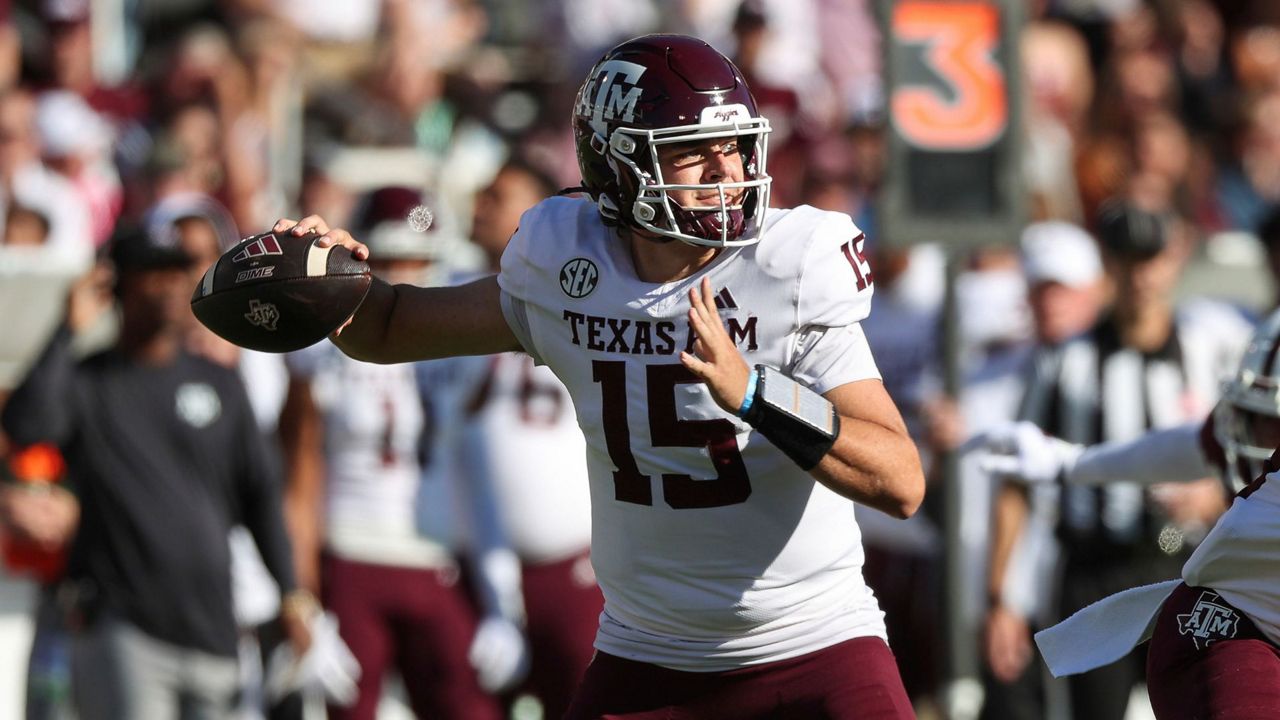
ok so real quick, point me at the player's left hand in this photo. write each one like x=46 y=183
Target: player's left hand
x=499 y=654
x=715 y=359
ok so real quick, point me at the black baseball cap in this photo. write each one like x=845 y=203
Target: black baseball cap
x=133 y=248
x=1129 y=232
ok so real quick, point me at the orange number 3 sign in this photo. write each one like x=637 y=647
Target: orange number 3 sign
x=960 y=39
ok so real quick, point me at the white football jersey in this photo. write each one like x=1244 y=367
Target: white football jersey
x=374 y=421
x=1240 y=557
x=713 y=549
x=513 y=434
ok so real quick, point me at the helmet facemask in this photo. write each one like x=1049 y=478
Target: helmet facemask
x=729 y=221
x=1248 y=426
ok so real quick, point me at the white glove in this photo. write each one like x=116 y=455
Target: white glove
x=328 y=666
x=499 y=654
x=1022 y=452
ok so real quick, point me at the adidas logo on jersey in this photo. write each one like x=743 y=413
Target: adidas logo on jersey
x=725 y=301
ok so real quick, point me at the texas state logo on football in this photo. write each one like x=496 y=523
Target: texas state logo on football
x=645 y=337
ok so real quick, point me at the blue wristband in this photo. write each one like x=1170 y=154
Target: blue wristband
x=752 y=379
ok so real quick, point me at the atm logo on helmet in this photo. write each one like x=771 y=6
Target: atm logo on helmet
x=613 y=94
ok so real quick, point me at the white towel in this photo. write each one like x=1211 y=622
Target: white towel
x=1103 y=632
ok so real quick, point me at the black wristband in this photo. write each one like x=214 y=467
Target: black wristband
x=798 y=421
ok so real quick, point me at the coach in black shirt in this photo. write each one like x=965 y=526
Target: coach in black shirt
x=164 y=456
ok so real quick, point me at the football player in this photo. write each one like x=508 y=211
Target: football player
x=1215 y=634
x=730 y=404
x=353 y=433
x=507 y=429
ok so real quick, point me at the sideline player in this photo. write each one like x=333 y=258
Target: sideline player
x=1215 y=635
x=508 y=430
x=724 y=538
x=353 y=433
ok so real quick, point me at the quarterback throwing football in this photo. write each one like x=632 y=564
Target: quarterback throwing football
x=731 y=407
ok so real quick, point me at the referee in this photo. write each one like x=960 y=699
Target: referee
x=1145 y=364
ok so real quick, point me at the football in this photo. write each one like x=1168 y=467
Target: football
x=278 y=292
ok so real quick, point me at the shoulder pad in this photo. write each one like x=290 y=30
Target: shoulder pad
x=826 y=254
x=544 y=230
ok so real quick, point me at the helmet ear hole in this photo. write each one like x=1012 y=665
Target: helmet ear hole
x=623 y=144
x=644 y=212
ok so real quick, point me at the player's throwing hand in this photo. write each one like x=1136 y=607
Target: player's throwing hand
x=715 y=359
x=328 y=236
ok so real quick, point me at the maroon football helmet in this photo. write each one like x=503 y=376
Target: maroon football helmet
x=665 y=89
x=1246 y=421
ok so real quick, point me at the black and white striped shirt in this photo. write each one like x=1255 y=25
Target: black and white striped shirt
x=1095 y=389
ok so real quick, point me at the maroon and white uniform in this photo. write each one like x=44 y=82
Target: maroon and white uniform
x=514 y=431
x=374 y=422
x=1240 y=557
x=389 y=574
x=510 y=433
x=713 y=549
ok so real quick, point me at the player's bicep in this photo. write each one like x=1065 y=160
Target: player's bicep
x=867 y=400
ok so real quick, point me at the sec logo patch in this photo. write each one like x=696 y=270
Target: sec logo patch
x=578 y=277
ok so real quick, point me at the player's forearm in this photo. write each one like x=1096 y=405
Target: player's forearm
x=874 y=465
x=404 y=323
x=1009 y=515
x=1169 y=455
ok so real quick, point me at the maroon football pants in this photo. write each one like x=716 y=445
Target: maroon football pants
x=1208 y=661
x=853 y=680
x=563 y=606
x=418 y=621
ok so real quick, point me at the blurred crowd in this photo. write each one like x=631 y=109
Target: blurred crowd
x=1152 y=141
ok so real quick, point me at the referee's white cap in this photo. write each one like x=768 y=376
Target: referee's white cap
x=1060 y=252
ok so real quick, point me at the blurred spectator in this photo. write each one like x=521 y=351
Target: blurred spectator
x=1060 y=89
x=1269 y=233
x=76 y=143
x=74 y=62
x=850 y=51
x=1251 y=181
x=584 y=29
x=25 y=227
x=37 y=520
x=1205 y=85
x=1254 y=49
x=354 y=434
x=792 y=132
x=10 y=49
x=161 y=445
x=30 y=184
